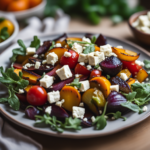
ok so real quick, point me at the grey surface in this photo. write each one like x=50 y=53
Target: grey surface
x=19 y=118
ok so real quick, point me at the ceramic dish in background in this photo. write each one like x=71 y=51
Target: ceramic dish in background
x=19 y=118
x=7 y=42
x=139 y=35
x=35 y=11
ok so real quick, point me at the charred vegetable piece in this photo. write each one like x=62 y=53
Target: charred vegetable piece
x=114 y=102
x=123 y=86
x=101 y=40
x=17 y=66
x=34 y=60
x=20 y=59
x=61 y=39
x=53 y=72
x=141 y=75
x=126 y=71
x=131 y=81
x=22 y=97
x=111 y=66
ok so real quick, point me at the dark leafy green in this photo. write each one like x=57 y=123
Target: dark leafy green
x=35 y=43
x=97 y=66
x=4 y=34
x=93 y=39
x=52 y=46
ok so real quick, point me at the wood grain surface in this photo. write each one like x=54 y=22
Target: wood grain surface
x=134 y=138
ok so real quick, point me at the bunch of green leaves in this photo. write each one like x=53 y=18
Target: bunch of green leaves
x=139 y=96
x=52 y=46
x=4 y=34
x=13 y=82
x=147 y=66
x=117 y=115
x=22 y=50
x=93 y=10
x=76 y=83
x=57 y=125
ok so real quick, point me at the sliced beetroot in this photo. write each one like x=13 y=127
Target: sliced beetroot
x=123 y=86
x=17 y=66
x=89 y=35
x=114 y=102
x=57 y=111
x=30 y=112
x=101 y=40
x=111 y=66
x=61 y=38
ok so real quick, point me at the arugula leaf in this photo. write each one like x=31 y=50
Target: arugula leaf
x=108 y=76
x=35 y=43
x=2 y=19
x=100 y=121
x=130 y=96
x=76 y=83
x=4 y=34
x=147 y=64
x=97 y=66
x=52 y=46
x=93 y=40
x=117 y=115
x=43 y=75
x=89 y=49
x=13 y=82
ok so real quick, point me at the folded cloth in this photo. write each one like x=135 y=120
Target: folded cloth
x=11 y=139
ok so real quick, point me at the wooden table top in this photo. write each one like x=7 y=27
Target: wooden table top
x=134 y=138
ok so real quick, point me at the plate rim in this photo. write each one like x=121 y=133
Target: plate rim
x=72 y=135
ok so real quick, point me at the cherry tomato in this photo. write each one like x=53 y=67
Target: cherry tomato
x=37 y=96
x=70 y=61
x=131 y=66
x=95 y=73
x=79 y=69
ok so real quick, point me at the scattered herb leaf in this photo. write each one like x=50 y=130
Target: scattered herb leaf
x=93 y=39
x=4 y=34
x=108 y=76
x=89 y=49
x=76 y=83
x=97 y=66
x=147 y=64
x=35 y=43
x=117 y=115
x=52 y=46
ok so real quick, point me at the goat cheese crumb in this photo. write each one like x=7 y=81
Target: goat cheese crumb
x=114 y=88
x=44 y=62
x=58 y=45
x=85 y=119
x=77 y=75
x=53 y=97
x=35 y=56
x=59 y=103
x=46 y=81
x=144 y=21
x=81 y=104
x=78 y=112
x=89 y=67
x=119 y=46
x=137 y=81
x=123 y=76
x=77 y=48
x=28 y=65
x=30 y=50
x=144 y=108
x=83 y=58
x=140 y=63
x=93 y=119
x=147 y=79
x=64 y=72
x=85 y=85
x=86 y=40
x=106 y=49
x=37 y=65
x=48 y=110
x=82 y=63
x=52 y=58
x=67 y=54
x=21 y=91
x=47 y=66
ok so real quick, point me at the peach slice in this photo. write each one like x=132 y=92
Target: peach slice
x=126 y=55
x=97 y=48
x=74 y=38
x=131 y=81
x=102 y=84
x=71 y=96
x=20 y=59
x=126 y=71
x=141 y=75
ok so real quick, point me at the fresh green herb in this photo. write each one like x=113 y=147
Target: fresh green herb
x=13 y=82
x=108 y=76
x=35 y=43
x=52 y=46
x=97 y=66
x=76 y=83
x=79 y=42
x=147 y=64
x=39 y=108
x=4 y=34
x=18 y=51
x=93 y=40
x=57 y=125
x=2 y=19
x=117 y=115
x=89 y=49
x=100 y=121
x=43 y=75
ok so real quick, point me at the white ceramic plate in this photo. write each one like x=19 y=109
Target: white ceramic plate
x=18 y=117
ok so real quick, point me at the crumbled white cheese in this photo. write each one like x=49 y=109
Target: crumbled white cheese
x=140 y=63
x=145 y=29
x=85 y=85
x=78 y=112
x=53 y=97
x=21 y=91
x=59 y=103
x=37 y=65
x=81 y=104
x=83 y=58
x=35 y=56
x=114 y=88
x=137 y=81
x=144 y=21
x=123 y=76
x=48 y=109
x=64 y=72
x=89 y=67
x=58 y=45
x=67 y=54
x=28 y=65
x=85 y=119
x=93 y=119
x=99 y=68
x=136 y=23
x=47 y=66
x=106 y=49
x=77 y=75
x=30 y=50
x=147 y=79
x=111 y=54
x=100 y=112
x=119 y=46
x=82 y=63
x=144 y=108
x=46 y=81
x=77 y=48
x=52 y=58
x=41 y=43
x=44 y=62
x=86 y=40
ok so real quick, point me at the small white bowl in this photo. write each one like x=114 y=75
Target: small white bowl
x=7 y=42
x=35 y=11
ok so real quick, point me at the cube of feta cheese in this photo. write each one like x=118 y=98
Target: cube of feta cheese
x=114 y=88
x=81 y=104
x=123 y=76
x=83 y=58
x=140 y=63
x=77 y=75
x=21 y=91
x=53 y=97
x=37 y=65
x=59 y=103
x=85 y=85
x=136 y=23
x=85 y=119
x=44 y=62
x=52 y=58
x=148 y=14
x=58 y=45
x=64 y=72
x=78 y=112
x=144 y=108
x=95 y=58
x=144 y=21
x=119 y=46
x=67 y=54
x=35 y=56
x=48 y=109
x=89 y=67
x=30 y=50
x=106 y=49
x=86 y=40
x=145 y=29
x=93 y=118
x=47 y=81
x=82 y=63
x=77 y=48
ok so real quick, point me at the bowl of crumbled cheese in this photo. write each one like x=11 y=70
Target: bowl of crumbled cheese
x=139 y=24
